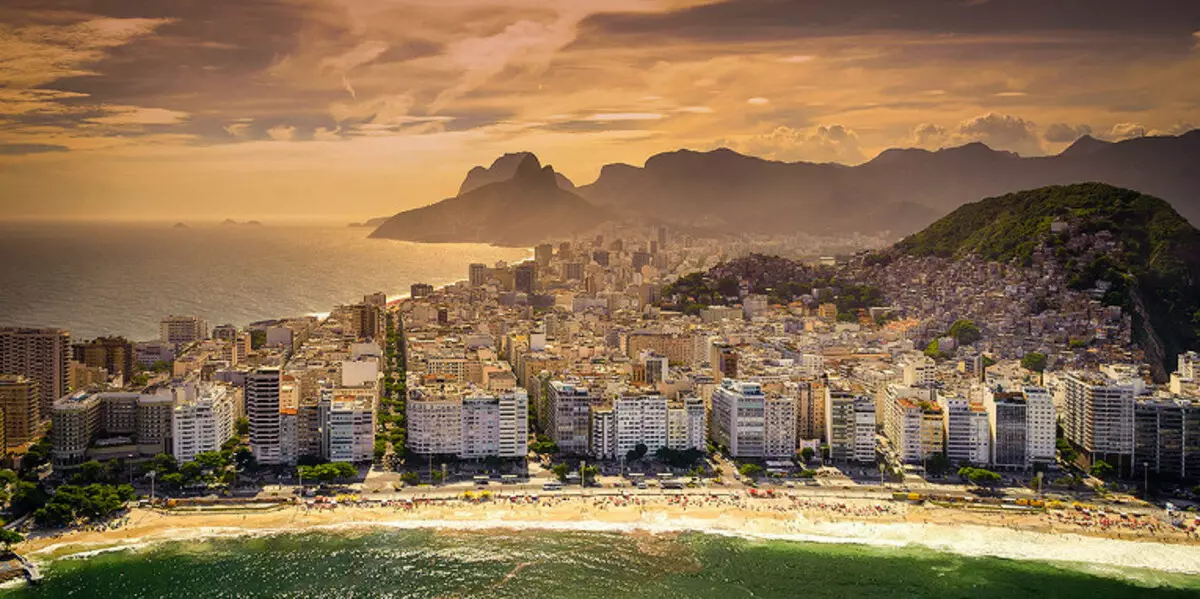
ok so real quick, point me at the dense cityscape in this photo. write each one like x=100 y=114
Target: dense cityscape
x=575 y=370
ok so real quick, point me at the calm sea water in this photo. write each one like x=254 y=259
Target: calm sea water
x=122 y=279
x=559 y=564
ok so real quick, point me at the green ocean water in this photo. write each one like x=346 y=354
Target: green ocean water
x=531 y=564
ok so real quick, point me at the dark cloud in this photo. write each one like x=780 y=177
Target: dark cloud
x=759 y=20
x=1064 y=133
x=22 y=149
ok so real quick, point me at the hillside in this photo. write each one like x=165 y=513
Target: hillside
x=900 y=191
x=503 y=169
x=1150 y=263
x=527 y=208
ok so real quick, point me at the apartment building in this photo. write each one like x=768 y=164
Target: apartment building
x=1098 y=413
x=181 y=330
x=850 y=426
x=202 y=421
x=967 y=431
x=263 y=406
x=21 y=405
x=568 y=409
x=346 y=422
x=40 y=354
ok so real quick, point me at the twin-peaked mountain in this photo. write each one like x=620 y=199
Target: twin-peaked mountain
x=723 y=192
x=526 y=207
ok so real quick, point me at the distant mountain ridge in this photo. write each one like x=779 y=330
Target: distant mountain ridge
x=900 y=191
x=503 y=169
x=528 y=207
x=1153 y=272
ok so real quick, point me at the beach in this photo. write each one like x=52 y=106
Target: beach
x=1048 y=536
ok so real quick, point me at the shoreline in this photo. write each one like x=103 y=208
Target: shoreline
x=1017 y=537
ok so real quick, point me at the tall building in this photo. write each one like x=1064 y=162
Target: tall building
x=114 y=354
x=202 y=423
x=543 y=253
x=347 y=425
x=468 y=424
x=573 y=271
x=1008 y=423
x=751 y=424
x=21 y=407
x=966 y=430
x=109 y=425
x=913 y=423
x=569 y=416
x=1098 y=414
x=525 y=276
x=42 y=355
x=850 y=426
x=1166 y=438
x=418 y=290
x=263 y=411
x=687 y=425
x=477 y=274
x=920 y=371
x=181 y=330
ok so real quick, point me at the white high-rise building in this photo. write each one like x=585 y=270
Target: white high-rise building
x=434 y=422
x=262 y=409
x=469 y=424
x=640 y=420
x=687 y=425
x=347 y=426
x=202 y=424
x=738 y=418
x=1098 y=413
x=1189 y=367
x=779 y=426
x=1041 y=424
x=967 y=431
x=850 y=426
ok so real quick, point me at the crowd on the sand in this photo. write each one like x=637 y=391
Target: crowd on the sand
x=1087 y=520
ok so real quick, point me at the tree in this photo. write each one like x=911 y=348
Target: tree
x=1102 y=470
x=979 y=476
x=211 y=460
x=1066 y=451
x=590 y=473
x=638 y=452
x=1034 y=362
x=750 y=470
x=162 y=464
x=242 y=426
x=243 y=458
x=964 y=331
x=410 y=478
x=10 y=537
x=560 y=470
x=807 y=454
x=937 y=464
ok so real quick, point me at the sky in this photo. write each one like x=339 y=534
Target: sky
x=348 y=109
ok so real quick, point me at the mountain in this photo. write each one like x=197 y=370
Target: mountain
x=503 y=169
x=899 y=191
x=1153 y=264
x=523 y=210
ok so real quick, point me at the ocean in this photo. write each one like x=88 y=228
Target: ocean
x=535 y=564
x=101 y=279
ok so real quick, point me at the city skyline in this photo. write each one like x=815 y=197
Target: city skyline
x=346 y=110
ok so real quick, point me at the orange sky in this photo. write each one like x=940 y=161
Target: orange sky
x=164 y=109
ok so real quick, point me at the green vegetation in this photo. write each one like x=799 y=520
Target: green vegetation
x=678 y=459
x=391 y=417
x=72 y=503
x=544 y=446
x=560 y=470
x=750 y=470
x=327 y=473
x=933 y=350
x=242 y=426
x=807 y=454
x=979 y=476
x=1034 y=362
x=410 y=478
x=1102 y=470
x=10 y=537
x=1154 y=272
x=964 y=331
x=781 y=280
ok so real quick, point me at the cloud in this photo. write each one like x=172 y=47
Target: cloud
x=282 y=133
x=1123 y=131
x=24 y=149
x=797 y=59
x=758 y=101
x=136 y=115
x=832 y=143
x=1003 y=132
x=695 y=110
x=929 y=136
x=624 y=116
x=1060 y=133
x=240 y=130
x=327 y=134
x=34 y=54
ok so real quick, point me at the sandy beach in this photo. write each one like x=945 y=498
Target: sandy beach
x=1057 y=535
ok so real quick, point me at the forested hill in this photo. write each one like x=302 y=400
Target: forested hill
x=1151 y=257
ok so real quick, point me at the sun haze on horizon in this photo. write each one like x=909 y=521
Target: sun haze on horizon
x=311 y=109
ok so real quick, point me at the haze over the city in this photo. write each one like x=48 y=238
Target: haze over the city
x=145 y=109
